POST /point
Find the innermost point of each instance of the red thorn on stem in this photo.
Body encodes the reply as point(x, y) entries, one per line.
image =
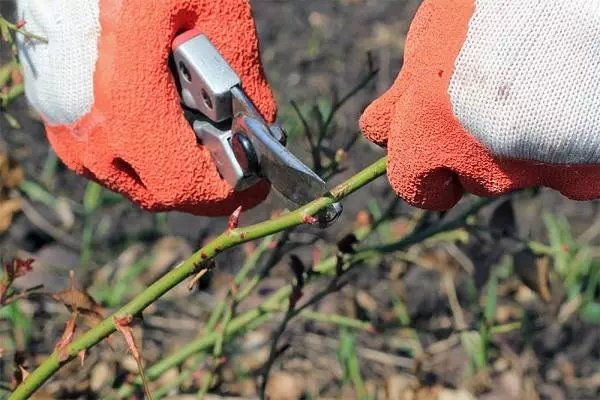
point(67, 337)
point(309, 219)
point(123, 320)
point(122, 324)
point(21, 24)
point(234, 219)
point(81, 355)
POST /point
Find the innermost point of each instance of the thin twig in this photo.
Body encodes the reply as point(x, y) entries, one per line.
point(25, 293)
point(372, 73)
point(363, 352)
point(39, 221)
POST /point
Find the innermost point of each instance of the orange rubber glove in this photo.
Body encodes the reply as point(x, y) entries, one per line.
point(494, 95)
point(109, 103)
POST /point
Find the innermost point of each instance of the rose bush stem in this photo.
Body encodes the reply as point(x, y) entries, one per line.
point(190, 266)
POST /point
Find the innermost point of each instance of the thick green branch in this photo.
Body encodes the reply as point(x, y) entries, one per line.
point(190, 266)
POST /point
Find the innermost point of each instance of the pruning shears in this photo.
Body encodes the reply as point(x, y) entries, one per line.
point(244, 147)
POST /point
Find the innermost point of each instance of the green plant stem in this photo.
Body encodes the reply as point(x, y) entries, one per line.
point(256, 317)
point(249, 265)
point(224, 241)
point(244, 322)
point(336, 319)
point(13, 27)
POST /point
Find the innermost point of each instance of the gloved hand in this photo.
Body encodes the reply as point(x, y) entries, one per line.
point(109, 103)
point(494, 95)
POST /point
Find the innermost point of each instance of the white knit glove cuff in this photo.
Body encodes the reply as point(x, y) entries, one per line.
point(59, 76)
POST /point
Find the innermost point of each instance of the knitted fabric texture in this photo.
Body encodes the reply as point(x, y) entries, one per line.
point(527, 82)
point(59, 76)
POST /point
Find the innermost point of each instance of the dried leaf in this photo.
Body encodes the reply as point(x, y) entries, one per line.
point(8, 208)
point(543, 275)
point(20, 372)
point(123, 325)
point(66, 338)
point(78, 300)
point(17, 268)
point(11, 173)
point(24, 373)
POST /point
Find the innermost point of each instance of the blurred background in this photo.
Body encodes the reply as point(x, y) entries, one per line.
point(493, 300)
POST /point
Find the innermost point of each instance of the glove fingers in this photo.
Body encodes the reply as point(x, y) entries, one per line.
point(431, 40)
point(376, 120)
point(418, 169)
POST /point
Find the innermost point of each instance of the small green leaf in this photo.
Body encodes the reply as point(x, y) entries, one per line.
point(92, 196)
point(4, 31)
point(590, 312)
point(6, 73)
point(36, 193)
point(490, 304)
point(12, 121)
point(15, 91)
point(472, 343)
point(590, 292)
point(110, 198)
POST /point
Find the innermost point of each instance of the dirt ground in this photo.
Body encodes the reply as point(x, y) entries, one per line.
point(424, 302)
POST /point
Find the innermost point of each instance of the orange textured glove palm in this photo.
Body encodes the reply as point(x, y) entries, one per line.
point(133, 138)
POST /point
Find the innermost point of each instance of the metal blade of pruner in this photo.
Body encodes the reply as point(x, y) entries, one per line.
point(244, 147)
